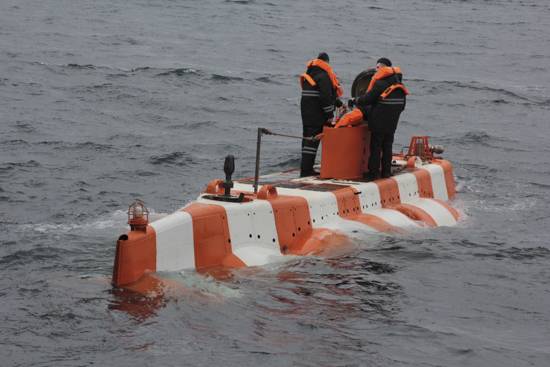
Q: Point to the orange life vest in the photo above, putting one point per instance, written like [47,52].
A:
[383,73]
[326,67]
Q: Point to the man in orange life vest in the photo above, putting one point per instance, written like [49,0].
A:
[320,92]
[380,106]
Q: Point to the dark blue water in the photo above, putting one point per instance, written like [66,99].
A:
[102,102]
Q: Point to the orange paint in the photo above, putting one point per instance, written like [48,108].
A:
[292,221]
[232,261]
[211,236]
[415,213]
[345,152]
[267,191]
[147,284]
[320,240]
[389,192]
[215,187]
[353,118]
[452,210]
[449,178]
[349,207]
[376,223]
[382,73]
[424,180]
[348,202]
[135,256]
[332,75]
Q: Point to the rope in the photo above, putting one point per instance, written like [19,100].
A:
[269,132]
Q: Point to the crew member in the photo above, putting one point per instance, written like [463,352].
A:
[381,105]
[320,92]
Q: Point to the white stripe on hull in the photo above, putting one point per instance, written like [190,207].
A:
[251,225]
[438,212]
[394,217]
[175,245]
[439,184]
[408,186]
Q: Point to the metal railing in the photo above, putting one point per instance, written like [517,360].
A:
[264,131]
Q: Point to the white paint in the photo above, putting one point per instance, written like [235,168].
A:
[323,206]
[175,245]
[440,214]
[250,224]
[439,185]
[348,226]
[254,255]
[408,186]
[243,187]
[394,217]
[369,196]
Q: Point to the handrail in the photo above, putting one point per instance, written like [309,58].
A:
[264,131]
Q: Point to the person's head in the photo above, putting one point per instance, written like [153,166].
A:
[323,56]
[383,61]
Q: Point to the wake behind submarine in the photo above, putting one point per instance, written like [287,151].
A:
[256,221]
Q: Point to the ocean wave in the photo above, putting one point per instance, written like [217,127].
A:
[474,137]
[268,80]
[516,97]
[287,163]
[179,72]
[144,173]
[34,255]
[478,137]
[174,158]
[241,2]
[118,71]
[517,253]
[541,185]
[116,221]
[225,78]
[26,127]
[195,125]
[87,145]
[14,142]
[8,166]
[81,66]
[140,68]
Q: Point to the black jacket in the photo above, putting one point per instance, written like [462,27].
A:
[382,115]
[318,102]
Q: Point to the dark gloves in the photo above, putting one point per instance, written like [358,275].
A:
[338,103]
[352,102]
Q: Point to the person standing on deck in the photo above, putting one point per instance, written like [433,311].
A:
[381,107]
[320,92]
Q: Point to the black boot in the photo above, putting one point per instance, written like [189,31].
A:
[368,176]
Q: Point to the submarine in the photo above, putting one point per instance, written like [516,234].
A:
[263,219]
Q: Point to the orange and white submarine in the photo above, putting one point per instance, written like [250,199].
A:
[252,222]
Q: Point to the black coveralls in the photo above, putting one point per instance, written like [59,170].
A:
[382,117]
[317,106]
